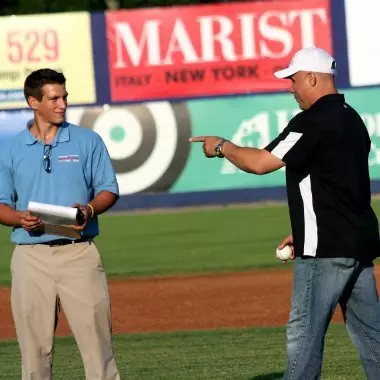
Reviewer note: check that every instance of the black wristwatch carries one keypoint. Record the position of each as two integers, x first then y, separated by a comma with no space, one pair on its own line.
219,149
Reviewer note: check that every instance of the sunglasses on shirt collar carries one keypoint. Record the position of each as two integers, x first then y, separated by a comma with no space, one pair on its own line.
47,159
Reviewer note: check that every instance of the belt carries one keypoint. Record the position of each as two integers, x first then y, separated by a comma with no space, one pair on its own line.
59,242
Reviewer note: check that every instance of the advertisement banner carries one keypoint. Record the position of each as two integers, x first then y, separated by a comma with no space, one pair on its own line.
255,121
363,42
209,50
59,41
149,142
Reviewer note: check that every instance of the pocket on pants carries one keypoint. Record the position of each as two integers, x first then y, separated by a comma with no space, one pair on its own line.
12,263
15,259
97,258
343,262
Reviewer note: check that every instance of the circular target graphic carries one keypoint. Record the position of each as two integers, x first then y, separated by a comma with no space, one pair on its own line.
148,143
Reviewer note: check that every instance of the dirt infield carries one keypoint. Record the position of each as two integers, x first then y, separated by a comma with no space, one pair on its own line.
189,303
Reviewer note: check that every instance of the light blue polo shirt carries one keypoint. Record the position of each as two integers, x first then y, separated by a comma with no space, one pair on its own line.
80,169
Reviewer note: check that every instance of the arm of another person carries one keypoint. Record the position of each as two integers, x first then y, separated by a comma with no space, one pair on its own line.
293,146
104,184
14,218
104,181
103,201
8,215
251,160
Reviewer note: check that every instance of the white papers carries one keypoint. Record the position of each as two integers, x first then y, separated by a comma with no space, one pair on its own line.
53,214
56,219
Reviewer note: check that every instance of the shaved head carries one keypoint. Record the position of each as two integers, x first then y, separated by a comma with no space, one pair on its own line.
307,87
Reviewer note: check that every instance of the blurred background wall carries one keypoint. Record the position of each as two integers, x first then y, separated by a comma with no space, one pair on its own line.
147,76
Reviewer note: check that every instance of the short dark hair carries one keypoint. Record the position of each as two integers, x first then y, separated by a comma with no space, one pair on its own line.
37,79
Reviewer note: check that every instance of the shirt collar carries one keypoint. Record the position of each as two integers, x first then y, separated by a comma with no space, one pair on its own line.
30,139
63,135
330,98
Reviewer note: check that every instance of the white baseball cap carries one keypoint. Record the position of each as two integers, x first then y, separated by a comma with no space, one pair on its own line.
309,59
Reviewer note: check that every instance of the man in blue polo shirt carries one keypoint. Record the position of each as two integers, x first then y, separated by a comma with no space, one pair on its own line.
55,162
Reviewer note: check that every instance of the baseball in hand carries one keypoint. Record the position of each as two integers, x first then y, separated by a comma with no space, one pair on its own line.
284,253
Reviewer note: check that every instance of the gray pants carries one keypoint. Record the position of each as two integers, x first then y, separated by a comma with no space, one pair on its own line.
319,285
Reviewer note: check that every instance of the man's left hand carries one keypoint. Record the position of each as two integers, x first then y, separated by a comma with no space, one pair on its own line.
209,144
86,213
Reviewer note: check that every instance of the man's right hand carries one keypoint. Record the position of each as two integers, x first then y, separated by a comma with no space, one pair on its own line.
30,223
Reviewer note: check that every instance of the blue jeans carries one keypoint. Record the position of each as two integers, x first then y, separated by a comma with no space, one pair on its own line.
318,286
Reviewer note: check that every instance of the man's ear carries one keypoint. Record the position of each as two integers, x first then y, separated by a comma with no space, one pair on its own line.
312,79
33,102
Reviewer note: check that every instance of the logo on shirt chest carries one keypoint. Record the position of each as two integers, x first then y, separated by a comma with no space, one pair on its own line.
69,158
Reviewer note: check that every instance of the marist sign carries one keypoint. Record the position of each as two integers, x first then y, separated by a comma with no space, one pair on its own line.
210,50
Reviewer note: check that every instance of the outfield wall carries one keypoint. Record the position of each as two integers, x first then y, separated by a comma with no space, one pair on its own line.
146,88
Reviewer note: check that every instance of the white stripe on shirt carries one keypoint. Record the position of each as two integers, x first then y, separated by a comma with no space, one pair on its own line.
285,145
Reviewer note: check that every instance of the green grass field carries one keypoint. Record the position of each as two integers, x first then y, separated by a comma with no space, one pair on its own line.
244,354
203,241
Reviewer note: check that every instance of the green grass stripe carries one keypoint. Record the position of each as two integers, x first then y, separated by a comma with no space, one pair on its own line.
241,354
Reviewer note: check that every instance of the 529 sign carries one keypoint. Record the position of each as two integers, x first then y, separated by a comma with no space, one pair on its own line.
29,46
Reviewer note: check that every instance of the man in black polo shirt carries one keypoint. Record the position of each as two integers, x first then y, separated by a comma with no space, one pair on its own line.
335,235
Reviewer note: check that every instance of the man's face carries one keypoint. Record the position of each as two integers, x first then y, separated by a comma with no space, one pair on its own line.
53,104
301,88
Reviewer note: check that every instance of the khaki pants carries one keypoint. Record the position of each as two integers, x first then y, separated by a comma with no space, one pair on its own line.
74,275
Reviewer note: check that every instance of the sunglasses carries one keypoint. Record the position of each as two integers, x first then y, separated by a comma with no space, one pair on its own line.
47,160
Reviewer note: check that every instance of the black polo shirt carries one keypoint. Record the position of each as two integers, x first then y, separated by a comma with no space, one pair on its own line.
326,149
